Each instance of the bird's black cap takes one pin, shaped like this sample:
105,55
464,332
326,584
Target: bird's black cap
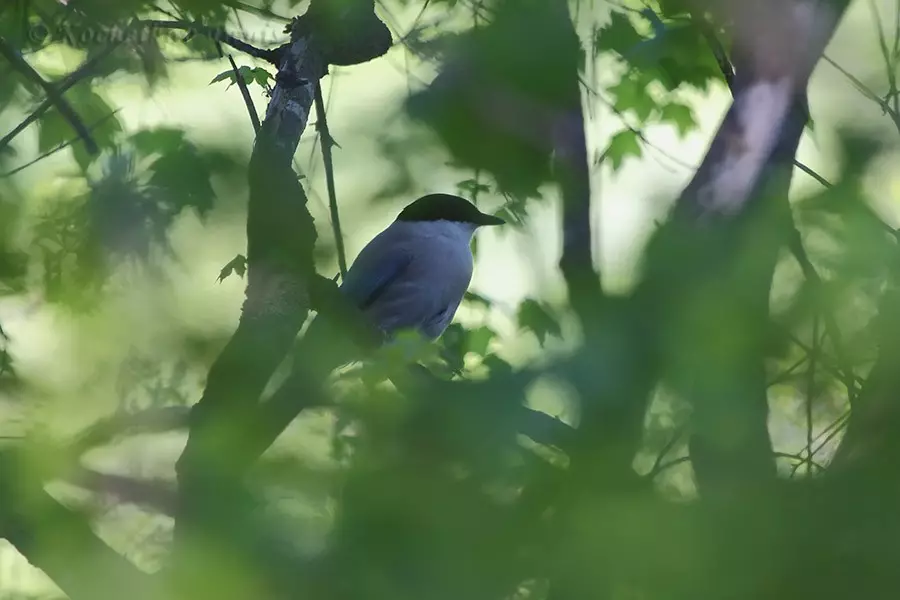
446,207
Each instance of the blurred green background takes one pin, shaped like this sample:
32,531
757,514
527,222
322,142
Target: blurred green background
111,304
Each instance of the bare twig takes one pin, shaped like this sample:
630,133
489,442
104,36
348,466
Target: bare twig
326,142
865,91
242,85
58,147
657,464
218,34
810,392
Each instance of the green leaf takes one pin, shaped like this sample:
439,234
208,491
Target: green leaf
238,265
261,76
229,75
534,317
184,174
621,146
680,115
161,140
95,114
631,95
478,340
618,35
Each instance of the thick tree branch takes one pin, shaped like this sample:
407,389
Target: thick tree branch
105,431
795,243
280,238
60,542
212,508
777,45
716,258
157,495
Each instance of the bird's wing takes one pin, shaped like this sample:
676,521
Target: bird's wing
379,264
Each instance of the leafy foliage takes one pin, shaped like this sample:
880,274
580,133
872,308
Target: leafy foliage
476,473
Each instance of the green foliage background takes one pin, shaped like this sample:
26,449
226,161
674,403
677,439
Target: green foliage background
121,277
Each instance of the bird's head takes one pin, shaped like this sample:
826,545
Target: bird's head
447,207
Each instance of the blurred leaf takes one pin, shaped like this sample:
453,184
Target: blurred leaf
91,108
536,318
631,95
618,35
680,115
237,265
621,146
248,74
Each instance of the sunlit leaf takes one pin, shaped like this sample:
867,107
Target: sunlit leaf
623,145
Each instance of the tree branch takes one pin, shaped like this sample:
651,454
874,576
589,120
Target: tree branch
218,34
795,243
715,260
245,93
77,75
62,105
60,542
326,142
58,147
280,239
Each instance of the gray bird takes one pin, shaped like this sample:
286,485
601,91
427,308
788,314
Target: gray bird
413,275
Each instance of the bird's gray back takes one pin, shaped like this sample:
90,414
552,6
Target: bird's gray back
412,275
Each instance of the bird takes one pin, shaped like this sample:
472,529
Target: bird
411,276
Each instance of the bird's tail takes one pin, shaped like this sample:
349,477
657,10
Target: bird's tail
323,348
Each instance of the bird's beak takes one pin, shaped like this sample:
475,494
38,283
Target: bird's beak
487,220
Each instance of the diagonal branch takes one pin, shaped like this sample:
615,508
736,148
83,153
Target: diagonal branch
60,541
326,142
62,105
795,243
726,233
82,72
212,506
60,146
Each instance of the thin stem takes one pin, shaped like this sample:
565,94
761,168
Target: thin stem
217,34
326,142
58,147
248,101
810,393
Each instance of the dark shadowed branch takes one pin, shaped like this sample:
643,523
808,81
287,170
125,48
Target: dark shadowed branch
62,105
245,94
60,542
326,143
83,72
59,147
280,268
728,228
795,243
